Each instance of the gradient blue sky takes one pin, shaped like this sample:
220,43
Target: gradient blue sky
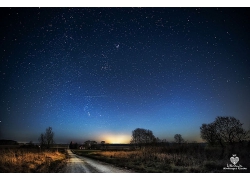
100,73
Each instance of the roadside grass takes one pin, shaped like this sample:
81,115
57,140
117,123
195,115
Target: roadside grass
184,158
16,160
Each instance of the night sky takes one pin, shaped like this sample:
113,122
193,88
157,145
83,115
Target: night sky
99,73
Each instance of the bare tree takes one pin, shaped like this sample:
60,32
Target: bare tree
41,139
224,130
142,136
178,138
47,139
208,133
49,135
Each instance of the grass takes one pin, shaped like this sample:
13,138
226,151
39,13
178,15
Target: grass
21,160
184,158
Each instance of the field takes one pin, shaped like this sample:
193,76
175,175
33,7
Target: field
31,160
184,158
171,158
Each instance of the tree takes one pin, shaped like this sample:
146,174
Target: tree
223,131
47,139
41,139
75,146
71,145
49,136
208,133
142,136
178,138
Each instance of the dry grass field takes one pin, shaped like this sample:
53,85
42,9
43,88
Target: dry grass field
21,160
185,158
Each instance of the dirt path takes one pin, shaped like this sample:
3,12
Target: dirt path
79,164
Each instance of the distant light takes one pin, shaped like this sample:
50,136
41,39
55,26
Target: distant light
116,138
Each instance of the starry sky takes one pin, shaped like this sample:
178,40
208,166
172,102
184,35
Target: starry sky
99,73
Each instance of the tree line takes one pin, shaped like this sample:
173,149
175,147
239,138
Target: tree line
142,137
223,131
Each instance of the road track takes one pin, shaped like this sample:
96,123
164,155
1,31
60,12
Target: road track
79,164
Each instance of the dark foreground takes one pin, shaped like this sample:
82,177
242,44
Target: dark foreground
166,158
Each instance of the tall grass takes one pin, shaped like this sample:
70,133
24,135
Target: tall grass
30,160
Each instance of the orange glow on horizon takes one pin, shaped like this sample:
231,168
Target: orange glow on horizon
116,138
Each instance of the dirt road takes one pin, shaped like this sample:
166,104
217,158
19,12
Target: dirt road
79,164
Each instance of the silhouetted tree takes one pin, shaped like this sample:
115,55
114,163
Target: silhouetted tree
224,130
49,136
157,140
178,138
142,136
71,145
208,133
90,144
75,146
41,140
47,139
